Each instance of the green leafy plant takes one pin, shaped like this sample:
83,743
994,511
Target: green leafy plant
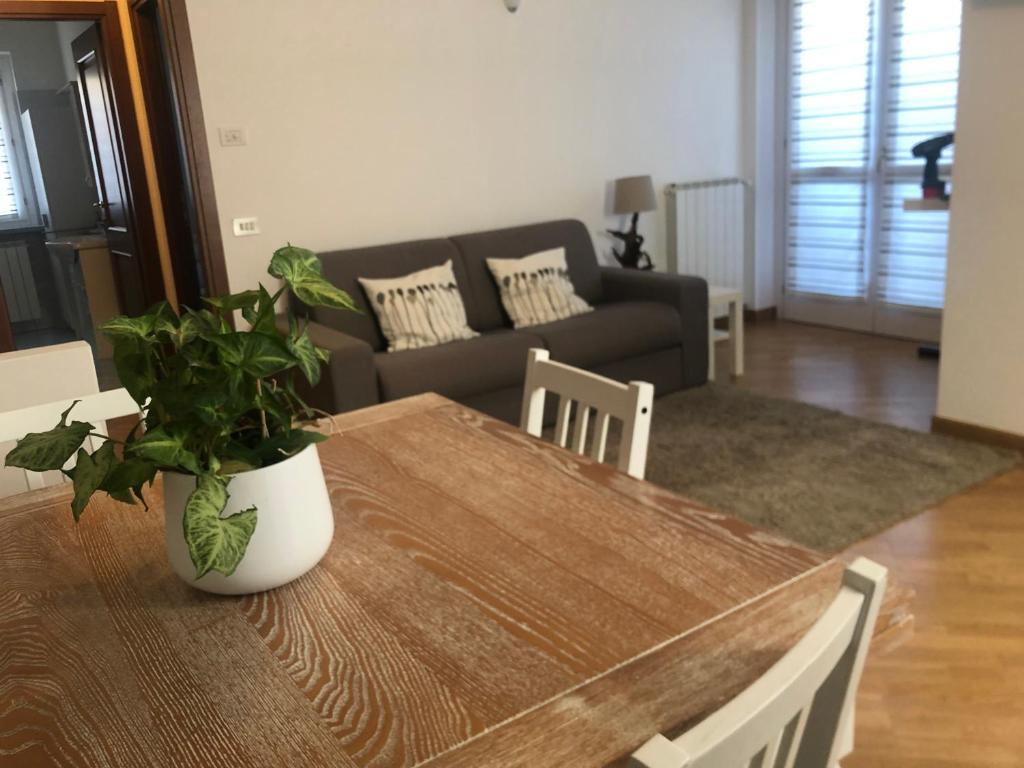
216,402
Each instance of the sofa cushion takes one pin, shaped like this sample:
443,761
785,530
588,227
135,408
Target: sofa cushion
457,370
343,268
422,309
536,289
612,332
485,312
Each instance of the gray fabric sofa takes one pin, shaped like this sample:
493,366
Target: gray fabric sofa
645,326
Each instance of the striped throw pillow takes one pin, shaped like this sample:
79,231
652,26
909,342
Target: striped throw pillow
423,309
536,289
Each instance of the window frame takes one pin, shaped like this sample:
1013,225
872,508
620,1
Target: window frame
21,172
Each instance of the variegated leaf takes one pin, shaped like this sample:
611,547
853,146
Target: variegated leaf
42,451
90,472
215,543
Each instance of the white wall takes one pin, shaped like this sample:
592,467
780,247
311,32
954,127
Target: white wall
67,31
981,377
373,122
33,49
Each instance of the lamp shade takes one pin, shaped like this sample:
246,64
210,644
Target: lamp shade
635,194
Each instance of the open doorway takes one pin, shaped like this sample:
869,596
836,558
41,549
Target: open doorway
65,267
102,209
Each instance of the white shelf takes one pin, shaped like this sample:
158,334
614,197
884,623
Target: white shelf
916,204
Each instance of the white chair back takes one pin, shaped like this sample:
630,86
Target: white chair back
46,374
631,404
799,713
36,386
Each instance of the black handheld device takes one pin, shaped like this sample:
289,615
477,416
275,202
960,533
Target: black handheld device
931,150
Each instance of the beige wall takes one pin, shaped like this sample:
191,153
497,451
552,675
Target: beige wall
982,370
371,122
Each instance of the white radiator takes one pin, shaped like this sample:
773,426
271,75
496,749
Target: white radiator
19,283
709,231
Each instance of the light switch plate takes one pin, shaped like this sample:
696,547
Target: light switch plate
233,137
246,227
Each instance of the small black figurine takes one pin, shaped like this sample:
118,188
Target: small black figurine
633,255
633,195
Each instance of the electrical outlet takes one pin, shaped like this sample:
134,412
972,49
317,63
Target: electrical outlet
246,227
232,137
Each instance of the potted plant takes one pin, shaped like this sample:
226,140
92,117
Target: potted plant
246,503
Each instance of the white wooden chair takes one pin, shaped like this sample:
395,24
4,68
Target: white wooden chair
46,374
798,713
36,386
631,404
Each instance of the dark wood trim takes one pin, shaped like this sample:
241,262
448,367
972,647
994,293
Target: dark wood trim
977,434
6,332
765,315
54,10
159,93
185,81
131,137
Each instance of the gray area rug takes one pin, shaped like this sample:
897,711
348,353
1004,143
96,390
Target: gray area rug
817,477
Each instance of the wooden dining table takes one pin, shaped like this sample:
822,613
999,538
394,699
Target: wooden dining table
489,600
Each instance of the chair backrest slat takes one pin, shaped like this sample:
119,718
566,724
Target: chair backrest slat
631,404
796,737
600,440
561,421
579,431
797,712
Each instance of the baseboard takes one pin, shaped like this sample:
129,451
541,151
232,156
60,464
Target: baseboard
765,315
977,434
750,317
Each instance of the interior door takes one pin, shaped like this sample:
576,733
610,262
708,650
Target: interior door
113,208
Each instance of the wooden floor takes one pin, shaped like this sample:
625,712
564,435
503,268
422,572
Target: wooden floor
953,693
856,373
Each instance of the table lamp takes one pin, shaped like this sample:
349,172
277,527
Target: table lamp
633,195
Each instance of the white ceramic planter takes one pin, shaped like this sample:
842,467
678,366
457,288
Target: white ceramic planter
294,524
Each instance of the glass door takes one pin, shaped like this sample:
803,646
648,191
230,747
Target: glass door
869,79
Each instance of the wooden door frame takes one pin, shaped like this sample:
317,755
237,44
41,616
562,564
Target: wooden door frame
181,64
178,49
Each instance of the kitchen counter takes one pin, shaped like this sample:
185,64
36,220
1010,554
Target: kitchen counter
80,242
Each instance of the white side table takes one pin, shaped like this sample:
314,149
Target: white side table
718,297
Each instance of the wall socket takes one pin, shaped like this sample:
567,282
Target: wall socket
232,137
246,227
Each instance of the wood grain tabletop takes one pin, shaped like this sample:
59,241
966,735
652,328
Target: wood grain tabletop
489,600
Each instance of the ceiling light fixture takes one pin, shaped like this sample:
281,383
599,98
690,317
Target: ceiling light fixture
512,5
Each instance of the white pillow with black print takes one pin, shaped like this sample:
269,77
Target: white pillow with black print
536,289
423,309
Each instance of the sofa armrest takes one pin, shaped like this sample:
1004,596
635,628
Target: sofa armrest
349,379
687,294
